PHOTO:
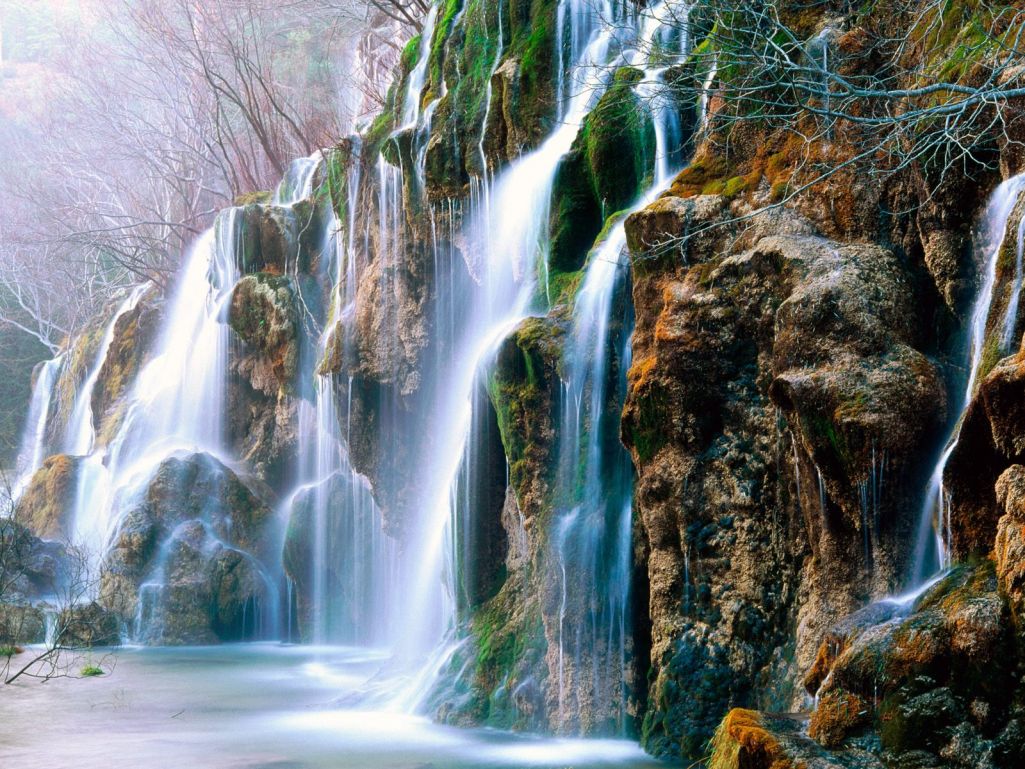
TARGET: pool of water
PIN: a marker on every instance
(257, 706)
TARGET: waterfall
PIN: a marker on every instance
(33, 439)
(353, 560)
(593, 529)
(344, 575)
(490, 289)
(176, 402)
(418, 76)
(933, 538)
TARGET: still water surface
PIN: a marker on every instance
(257, 706)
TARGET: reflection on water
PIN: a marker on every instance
(258, 706)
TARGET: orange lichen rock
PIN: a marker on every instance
(743, 742)
(838, 714)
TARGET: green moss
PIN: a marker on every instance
(647, 434)
(7, 650)
(562, 286)
(411, 53)
(89, 671)
(575, 216)
(823, 434)
(991, 354)
(247, 198)
(382, 126)
(442, 31)
(337, 160)
(518, 386)
(734, 186)
(532, 36)
(619, 138)
(611, 160)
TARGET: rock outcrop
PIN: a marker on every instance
(48, 501)
(189, 557)
(780, 491)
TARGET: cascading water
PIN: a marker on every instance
(417, 78)
(33, 441)
(593, 532)
(483, 289)
(175, 408)
(351, 562)
(932, 546)
(492, 293)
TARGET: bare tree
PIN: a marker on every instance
(123, 136)
(78, 625)
(929, 88)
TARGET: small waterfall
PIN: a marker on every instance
(351, 562)
(418, 76)
(488, 296)
(500, 49)
(33, 439)
(1011, 318)
(593, 535)
(177, 399)
(932, 544)
(297, 183)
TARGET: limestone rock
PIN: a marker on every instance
(188, 556)
(263, 314)
(928, 680)
(772, 386)
(47, 503)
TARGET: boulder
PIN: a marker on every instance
(32, 568)
(747, 739)
(87, 625)
(21, 623)
(927, 680)
(188, 554)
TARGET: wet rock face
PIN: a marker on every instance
(262, 411)
(278, 239)
(377, 346)
(263, 314)
(991, 440)
(603, 173)
(936, 681)
(31, 567)
(48, 502)
(133, 338)
(778, 414)
(189, 556)
(512, 683)
(747, 739)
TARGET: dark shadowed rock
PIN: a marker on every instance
(190, 551)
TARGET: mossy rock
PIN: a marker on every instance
(263, 314)
(610, 163)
